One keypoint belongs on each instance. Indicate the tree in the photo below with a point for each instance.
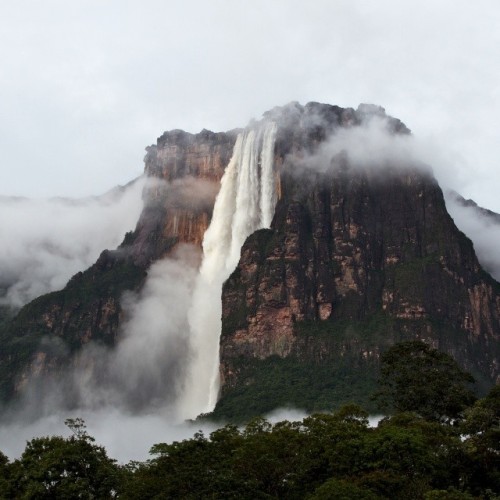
(481, 434)
(56, 467)
(5, 473)
(338, 489)
(417, 378)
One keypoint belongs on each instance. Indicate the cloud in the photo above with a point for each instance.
(146, 370)
(374, 145)
(371, 145)
(483, 230)
(192, 193)
(76, 103)
(45, 242)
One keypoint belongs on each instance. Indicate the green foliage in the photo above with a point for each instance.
(6, 315)
(5, 484)
(85, 292)
(56, 467)
(418, 378)
(370, 332)
(340, 489)
(334, 363)
(449, 494)
(481, 428)
(274, 382)
(326, 455)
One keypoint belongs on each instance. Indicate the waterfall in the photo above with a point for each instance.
(245, 203)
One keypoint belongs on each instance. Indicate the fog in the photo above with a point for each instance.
(369, 145)
(46, 241)
(483, 230)
(125, 436)
(374, 146)
(144, 373)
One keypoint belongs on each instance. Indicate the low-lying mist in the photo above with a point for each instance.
(125, 436)
(46, 241)
(145, 372)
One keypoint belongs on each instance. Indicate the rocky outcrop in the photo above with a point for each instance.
(185, 171)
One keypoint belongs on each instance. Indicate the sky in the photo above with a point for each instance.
(86, 85)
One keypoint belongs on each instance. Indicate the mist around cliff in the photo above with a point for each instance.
(124, 435)
(481, 229)
(376, 148)
(128, 395)
(144, 374)
(46, 241)
(372, 145)
(190, 192)
(145, 371)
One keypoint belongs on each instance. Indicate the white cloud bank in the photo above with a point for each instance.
(45, 242)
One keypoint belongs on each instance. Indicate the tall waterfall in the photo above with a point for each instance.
(245, 203)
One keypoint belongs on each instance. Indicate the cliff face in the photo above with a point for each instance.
(184, 172)
(357, 258)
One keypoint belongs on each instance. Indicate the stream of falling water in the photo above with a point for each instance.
(245, 203)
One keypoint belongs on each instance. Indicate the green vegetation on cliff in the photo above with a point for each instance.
(57, 323)
(333, 363)
(274, 382)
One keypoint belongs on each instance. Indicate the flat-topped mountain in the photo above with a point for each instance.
(359, 254)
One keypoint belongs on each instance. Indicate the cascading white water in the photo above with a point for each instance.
(245, 203)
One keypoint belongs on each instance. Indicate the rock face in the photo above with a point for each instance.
(184, 172)
(352, 248)
(178, 207)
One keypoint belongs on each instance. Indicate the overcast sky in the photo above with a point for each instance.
(85, 85)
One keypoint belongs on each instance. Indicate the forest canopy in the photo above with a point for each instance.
(412, 453)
